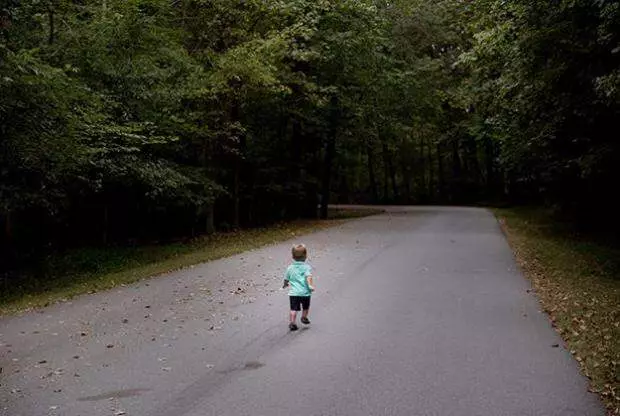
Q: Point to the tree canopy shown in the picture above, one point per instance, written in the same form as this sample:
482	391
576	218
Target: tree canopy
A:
143	120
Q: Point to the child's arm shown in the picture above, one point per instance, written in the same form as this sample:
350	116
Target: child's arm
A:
285	283
310	282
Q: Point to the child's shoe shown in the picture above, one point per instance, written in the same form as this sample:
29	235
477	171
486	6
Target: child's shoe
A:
305	321
292	326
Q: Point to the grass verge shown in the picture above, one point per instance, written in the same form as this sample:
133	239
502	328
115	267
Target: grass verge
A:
577	280
89	270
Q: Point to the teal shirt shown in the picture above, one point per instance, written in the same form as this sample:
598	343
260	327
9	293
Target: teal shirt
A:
296	275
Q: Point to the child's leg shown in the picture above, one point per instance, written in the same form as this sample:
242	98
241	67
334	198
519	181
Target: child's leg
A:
295	307
293	315
306	310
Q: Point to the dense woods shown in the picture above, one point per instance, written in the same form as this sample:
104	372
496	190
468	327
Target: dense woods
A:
130	121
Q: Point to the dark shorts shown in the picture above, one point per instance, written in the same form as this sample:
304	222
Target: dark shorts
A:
297	301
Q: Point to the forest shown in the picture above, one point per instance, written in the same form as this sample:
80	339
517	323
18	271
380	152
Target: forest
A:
142	121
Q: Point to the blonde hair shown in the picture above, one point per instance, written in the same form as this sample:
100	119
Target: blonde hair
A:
299	252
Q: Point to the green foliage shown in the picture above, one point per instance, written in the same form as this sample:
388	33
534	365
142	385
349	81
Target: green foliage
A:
545	84
151	119
42	112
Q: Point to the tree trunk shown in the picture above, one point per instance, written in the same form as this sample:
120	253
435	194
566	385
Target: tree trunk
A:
386	173
406	170
236	195
330	150
210	220
104	234
431	172
296	152
456	170
210	211
422	167
440	177
391	171
234	116
490	172
371	174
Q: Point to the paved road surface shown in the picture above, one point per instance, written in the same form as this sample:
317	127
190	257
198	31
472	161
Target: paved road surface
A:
420	311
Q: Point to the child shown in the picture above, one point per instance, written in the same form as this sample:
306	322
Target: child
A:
299	278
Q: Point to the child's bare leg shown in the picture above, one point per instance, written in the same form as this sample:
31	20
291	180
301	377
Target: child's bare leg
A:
293	317
304	317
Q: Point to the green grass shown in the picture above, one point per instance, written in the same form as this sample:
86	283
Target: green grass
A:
89	270
577	280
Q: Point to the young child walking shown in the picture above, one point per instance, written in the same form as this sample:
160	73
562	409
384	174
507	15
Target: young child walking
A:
299	280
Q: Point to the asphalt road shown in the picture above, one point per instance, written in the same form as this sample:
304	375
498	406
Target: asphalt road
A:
420	311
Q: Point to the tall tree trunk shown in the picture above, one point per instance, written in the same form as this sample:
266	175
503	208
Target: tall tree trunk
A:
104	234
406	170
386	173
431	171
422	165
296	152
210	219
236	194
490	172
456	170
330	151
440	173
210	208
475	170
238	167
392	173
371	174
